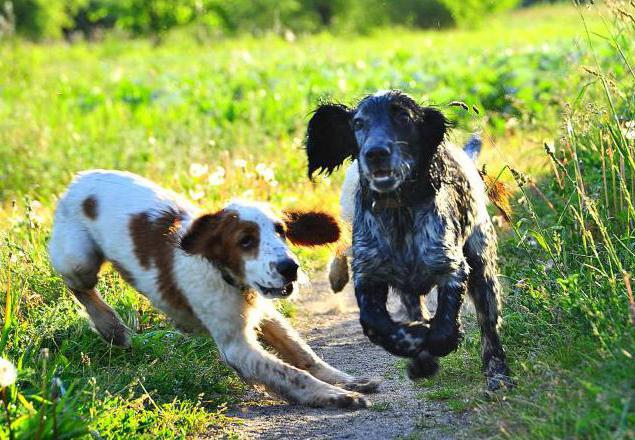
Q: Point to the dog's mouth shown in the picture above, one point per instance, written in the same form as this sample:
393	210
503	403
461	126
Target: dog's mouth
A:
383	180
276	292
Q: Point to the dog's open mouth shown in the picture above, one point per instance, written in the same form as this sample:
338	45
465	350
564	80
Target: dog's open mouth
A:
383	180
276	292
379	175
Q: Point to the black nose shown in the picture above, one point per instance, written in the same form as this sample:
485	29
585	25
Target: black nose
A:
377	154
288	269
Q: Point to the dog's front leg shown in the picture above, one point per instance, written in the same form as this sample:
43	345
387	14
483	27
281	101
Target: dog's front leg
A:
283	338
399	339
445	328
256	365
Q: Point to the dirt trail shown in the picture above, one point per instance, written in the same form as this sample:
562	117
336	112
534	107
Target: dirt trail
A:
330	325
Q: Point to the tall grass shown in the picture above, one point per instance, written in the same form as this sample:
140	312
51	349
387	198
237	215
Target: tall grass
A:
224	121
570	321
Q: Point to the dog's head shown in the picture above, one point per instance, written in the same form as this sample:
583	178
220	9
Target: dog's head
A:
247	241
389	133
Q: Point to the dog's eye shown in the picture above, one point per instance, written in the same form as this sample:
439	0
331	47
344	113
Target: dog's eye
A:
358	124
402	117
279	229
247	242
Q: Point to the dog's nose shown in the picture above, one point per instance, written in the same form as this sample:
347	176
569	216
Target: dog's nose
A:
288	269
377	154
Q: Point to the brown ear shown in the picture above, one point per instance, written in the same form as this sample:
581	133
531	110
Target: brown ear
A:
311	228
195	239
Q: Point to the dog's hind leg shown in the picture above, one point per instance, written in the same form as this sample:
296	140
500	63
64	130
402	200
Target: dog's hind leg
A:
277	333
484	289
424	364
77	258
103	318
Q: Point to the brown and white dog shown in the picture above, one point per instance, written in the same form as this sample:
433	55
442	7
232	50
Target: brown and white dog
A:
208	272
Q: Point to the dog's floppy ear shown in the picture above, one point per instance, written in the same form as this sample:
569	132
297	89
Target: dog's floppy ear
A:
195	239
433	126
330	139
311	228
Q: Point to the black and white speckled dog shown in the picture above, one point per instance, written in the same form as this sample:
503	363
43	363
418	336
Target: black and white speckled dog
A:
418	209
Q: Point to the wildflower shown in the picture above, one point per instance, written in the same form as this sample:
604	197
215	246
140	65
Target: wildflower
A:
33	213
217	177
629	131
240	163
197	193
8	373
265	172
198	170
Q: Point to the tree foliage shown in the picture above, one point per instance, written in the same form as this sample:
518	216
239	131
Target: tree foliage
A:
50	19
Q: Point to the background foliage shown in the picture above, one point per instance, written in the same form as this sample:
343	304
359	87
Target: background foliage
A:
46	19
227	119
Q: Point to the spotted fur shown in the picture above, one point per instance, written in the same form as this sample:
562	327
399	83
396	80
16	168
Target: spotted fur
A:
210	273
419	216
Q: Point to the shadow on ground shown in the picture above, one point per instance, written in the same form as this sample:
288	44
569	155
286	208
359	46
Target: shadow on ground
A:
330	325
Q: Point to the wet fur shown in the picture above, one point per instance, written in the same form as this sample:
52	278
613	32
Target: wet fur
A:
433	229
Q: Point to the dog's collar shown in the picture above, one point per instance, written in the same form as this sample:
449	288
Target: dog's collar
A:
229	279
388	201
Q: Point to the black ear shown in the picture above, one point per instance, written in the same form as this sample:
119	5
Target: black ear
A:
329	138
433	126
311	228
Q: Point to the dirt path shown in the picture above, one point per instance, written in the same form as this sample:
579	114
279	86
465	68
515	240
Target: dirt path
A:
330	325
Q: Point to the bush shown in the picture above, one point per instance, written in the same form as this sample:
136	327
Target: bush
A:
38	19
42	19
471	12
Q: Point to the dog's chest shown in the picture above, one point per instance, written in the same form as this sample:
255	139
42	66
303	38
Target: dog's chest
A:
403	248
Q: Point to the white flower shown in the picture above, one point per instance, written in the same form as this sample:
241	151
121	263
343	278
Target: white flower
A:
198	170
240	163
629	132
217	177
8	373
197	194
265	172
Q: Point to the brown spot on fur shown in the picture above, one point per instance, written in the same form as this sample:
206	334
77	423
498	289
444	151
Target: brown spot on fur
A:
219	238
311	228
125	273
89	206
154	241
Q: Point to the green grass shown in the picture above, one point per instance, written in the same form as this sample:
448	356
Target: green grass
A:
159	110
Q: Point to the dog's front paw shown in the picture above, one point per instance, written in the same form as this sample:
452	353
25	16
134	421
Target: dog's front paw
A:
351	400
442	340
363	384
497	375
344	399
424	365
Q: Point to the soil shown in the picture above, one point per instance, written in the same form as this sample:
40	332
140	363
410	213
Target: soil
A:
330	324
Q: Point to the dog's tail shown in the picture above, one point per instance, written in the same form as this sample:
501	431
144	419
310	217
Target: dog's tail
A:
497	191
473	146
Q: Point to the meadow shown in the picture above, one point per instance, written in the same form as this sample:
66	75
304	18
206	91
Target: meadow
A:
553	88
